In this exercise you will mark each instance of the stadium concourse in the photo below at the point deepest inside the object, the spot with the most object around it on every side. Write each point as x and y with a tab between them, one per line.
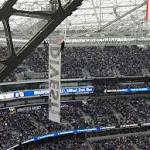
116	116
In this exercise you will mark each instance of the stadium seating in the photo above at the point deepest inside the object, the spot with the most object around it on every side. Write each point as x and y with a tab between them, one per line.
95	113
78	62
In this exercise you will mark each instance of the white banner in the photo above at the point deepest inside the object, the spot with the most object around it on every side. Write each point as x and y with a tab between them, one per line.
54	82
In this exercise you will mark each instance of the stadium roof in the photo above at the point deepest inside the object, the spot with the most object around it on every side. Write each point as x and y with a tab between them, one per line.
90	18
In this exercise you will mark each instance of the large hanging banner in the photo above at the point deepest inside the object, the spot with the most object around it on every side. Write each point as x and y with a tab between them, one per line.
54	82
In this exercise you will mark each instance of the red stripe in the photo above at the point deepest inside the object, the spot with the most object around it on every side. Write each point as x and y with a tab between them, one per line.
147	10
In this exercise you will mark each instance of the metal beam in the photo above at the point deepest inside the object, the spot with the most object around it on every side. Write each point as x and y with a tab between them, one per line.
9	4
8	36
110	7
122	16
96	15
33	14
6	10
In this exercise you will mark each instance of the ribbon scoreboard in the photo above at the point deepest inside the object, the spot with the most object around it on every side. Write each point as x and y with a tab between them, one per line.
45	92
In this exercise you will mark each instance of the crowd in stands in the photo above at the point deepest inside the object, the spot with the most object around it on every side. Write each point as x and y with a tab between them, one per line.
78	62
133	142
122	142
71	143
23	124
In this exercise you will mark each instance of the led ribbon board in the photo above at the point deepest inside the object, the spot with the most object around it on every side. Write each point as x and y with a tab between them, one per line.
45	92
128	90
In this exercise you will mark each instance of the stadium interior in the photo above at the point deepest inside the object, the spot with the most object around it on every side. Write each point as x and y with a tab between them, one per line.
103	78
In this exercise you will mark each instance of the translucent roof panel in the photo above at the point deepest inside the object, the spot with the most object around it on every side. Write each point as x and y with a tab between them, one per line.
37	5
91	16
32	5
2	2
95	14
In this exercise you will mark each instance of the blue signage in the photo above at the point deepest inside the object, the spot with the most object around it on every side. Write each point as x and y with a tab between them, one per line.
128	90
60	133
45	92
